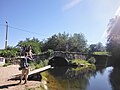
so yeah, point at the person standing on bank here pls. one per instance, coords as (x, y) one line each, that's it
(24, 66)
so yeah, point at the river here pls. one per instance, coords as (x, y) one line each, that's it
(103, 78)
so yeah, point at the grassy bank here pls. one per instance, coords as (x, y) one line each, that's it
(101, 53)
(36, 65)
(83, 64)
(79, 61)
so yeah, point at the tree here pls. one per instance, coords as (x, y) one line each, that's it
(92, 48)
(65, 42)
(113, 44)
(77, 43)
(100, 47)
(56, 42)
(96, 48)
(34, 42)
(9, 52)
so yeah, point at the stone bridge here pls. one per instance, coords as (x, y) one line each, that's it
(59, 58)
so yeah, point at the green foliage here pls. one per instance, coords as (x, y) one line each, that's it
(97, 48)
(35, 43)
(79, 61)
(56, 42)
(65, 42)
(9, 52)
(36, 65)
(92, 48)
(77, 43)
(101, 53)
(85, 64)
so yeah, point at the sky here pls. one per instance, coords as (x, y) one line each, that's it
(43, 18)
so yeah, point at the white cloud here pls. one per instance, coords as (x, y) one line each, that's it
(71, 4)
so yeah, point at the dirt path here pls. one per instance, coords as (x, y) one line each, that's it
(7, 73)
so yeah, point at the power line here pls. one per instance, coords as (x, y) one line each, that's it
(23, 30)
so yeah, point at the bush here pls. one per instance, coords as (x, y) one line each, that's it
(9, 53)
(35, 65)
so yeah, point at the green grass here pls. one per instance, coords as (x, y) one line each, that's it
(35, 65)
(85, 64)
(79, 61)
(101, 53)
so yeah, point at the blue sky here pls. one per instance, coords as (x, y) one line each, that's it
(44, 18)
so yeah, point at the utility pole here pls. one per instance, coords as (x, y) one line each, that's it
(6, 40)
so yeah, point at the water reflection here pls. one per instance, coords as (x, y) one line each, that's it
(72, 78)
(104, 77)
(115, 78)
(58, 71)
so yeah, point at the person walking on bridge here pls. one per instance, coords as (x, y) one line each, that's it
(24, 66)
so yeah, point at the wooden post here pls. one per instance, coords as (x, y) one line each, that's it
(6, 40)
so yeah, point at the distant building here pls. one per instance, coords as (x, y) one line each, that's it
(2, 61)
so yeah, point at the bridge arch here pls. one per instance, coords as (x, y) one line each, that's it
(58, 61)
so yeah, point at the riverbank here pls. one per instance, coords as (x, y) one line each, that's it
(6, 73)
(48, 81)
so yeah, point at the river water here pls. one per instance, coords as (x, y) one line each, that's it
(102, 78)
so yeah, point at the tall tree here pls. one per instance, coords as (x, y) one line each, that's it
(92, 48)
(77, 42)
(65, 42)
(56, 42)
